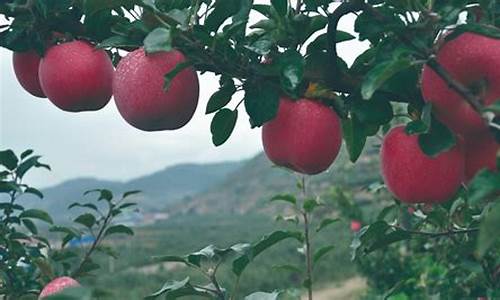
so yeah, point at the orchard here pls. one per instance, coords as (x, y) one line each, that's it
(426, 94)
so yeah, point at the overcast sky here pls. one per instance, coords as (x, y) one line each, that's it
(102, 145)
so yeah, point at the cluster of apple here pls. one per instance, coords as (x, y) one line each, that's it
(306, 135)
(75, 76)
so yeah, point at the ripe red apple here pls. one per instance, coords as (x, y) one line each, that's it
(355, 226)
(473, 60)
(305, 136)
(140, 96)
(57, 285)
(26, 69)
(414, 177)
(480, 153)
(77, 77)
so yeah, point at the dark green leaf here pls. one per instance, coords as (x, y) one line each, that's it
(36, 214)
(292, 65)
(381, 73)
(26, 153)
(8, 159)
(30, 225)
(354, 136)
(261, 102)
(322, 252)
(281, 6)
(222, 97)
(34, 191)
(130, 193)
(223, 125)
(87, 220)
(265, 243)
(439, 139)
(222, 11)
(325, 223)
(118, 229)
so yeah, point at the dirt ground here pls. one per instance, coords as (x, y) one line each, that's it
(347, 290)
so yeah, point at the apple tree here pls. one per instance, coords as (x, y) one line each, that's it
(428, 86)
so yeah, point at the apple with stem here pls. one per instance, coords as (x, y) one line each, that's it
(305, 136)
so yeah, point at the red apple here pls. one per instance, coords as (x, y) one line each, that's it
(473, 60)
(140, 95)
(305, 136)
(57, 285)
(355, 226)
(480, 153)
(412, 176)
(26, 69)
(77, 77)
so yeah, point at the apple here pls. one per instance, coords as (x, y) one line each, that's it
(76, 76)
(480, 153)
(305, 136)
(140, 95)
(355, 226)
(57, 285)
(474, 61)
(412, 176)
(26, 69)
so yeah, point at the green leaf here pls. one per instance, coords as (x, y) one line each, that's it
(281, 6)
(88, 220)
(263, 296)
(310, 205)
(223, 9)
(292, 66)
(322, 252)
(261, 102)
(381, 73)
(8, 159)
(26, 165)
(439, 139)
(488, 233)
(104, 194)
(170, 258)
(177, 289)
(118, 229)
(325, 223)
(375, 111)
(158, 40)
(179, 67)
(321, 42)
(222, 97)
(93, 6)
(36, 214)
(130, 193)
(30, 190)
(30, 225)
(485, 183)
(26, 153)
(223, 125)
(495, 107)
(117, 41)
(285, 197)
(265, 243)
(7, 187)
(424, 124)
(481, 29)
(354, 137)
(86, 205)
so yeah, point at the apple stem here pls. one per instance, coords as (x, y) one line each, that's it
(308, 249)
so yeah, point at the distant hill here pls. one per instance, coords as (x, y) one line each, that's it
(160, 189)
(250, 187)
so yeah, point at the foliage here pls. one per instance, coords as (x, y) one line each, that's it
(28, 259)
(287, 51)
